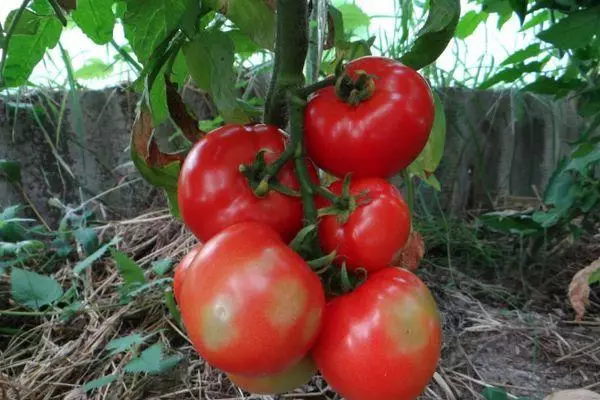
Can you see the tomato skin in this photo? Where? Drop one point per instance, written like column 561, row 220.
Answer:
column 283, row 382
column 251, row 306
column 380, row 136
column 375, row 233
column 213, row 194
column 381, row 341
column 182, row 268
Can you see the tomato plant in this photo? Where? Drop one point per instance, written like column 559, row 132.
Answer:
column 286, row 381
column 182, row 268
column 375, row 229
column 251, row 306
column 377, row 135
column 381, row 341
column 213, row 193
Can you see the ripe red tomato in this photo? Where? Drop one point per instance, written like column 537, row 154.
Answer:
column 251, row 306
column 182, row 268
column 381, row 341
column 214, row 194
column 375, row 233
column 286, row 381
column 381, row 135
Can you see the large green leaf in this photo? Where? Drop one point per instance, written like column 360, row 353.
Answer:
column 500, row 7
column 152, row 361
column 536, row 20
column 575, row 30
column 510, row 75
column 429, row 159
column 511, row 222
column 34, row 35
column 94, row 68
column 210, row 59
column 435, row 35
column 353, row 16
column 469, row 22
column 520, row 8
column 518, row 56
column 32, row 289
column 148, row 22
column 131, row 272
column 556, row 87
column 96, row 19
column 254, row 17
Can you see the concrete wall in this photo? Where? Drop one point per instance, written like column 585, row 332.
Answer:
column 499, row 145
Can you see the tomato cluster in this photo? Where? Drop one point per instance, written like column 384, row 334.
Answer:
column 253, row 306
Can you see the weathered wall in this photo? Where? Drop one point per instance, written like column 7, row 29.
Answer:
column 499, row 145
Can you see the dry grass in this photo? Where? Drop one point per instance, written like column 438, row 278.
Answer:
column 530, row 353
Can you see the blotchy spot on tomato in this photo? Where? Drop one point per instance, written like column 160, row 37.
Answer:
column 217, row 329
column 288, row 302
column 311, row 325
column 405, row 326
column 268, row 259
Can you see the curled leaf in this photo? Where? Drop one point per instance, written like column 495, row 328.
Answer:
column 579, row 288
column 413, row 252
column 180, row 114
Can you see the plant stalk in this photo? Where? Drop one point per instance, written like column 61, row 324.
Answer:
column 410, row 191
column 291, row 47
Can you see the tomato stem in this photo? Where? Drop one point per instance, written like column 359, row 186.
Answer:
column 291, row 48
column 309, row 89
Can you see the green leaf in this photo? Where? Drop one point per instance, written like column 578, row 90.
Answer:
column 151, row 361
column 595, row 277
column 491, row 393
column 520, row 8
column 574, row 31
column 253, row 17
column 89, row 260
column 435, row 35
column 125, row 343
column 354, row 17
column 148, row 22
column 98, row 383
column 511, row 222
column 172, row 307
column 210, row 58
column 96, row 19
column 26, row 50
column 510, row 75
column 163, row 177
column 27, row 25
column 191, row 17
column 581, row 162
column 131, row 272
column 88, row 239
column 547, row 219
column 28, row 247
column 42, row 7
column 168, row 282
column 427, row 162
column 161, row 267
column 32, row 289
column 173, row 201
column 500, row 7
column 338, row 25
column 11, row 170
column 469, row 22
column 523, row 54
column 559, row 190
column 557, row 87
column 244, row 46
column 536, row 20
column 94, row 68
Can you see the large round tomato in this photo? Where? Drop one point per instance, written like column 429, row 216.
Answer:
column 382, row 341
column 375, row 232
column 251, row 306
column 286, row 381
column 214, row 194
column 382, row 134
column 182, row 268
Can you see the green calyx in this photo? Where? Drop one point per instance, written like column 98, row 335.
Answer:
column 354, row 91
column 261, row 177
column 344, row 205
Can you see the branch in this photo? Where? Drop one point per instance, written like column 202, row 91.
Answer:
column 291, row 48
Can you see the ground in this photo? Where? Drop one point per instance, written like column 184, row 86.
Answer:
column 504, row 325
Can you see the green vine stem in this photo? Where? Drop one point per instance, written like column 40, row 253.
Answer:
column 410, row 191
column 291, row 47
column 9, row 33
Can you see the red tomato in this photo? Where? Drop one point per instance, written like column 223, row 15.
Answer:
column 375, row 233
column 286, row 381
column 381, row 341
column 213, row 194
column 378, row 137
column 182, row 268
column 251, row 306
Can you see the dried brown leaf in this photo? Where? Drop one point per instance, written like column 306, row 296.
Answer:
column 146, row 146
column 579, row 289
column 413, row 252
column 181, row 115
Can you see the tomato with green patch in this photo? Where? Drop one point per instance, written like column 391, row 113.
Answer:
column 182, row 269
column 374, row 230
column 251, row 306
column 282, row 382
column 213, row 194
column 382, row 341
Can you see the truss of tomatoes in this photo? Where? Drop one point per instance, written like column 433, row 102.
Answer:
column 253, row 307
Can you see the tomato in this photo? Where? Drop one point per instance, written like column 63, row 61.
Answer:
column 286, row 381
column 182, row 268
column 382, row 134
column 251, row 306
column 382, row 341
column 214, row 194
column 375, row 232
